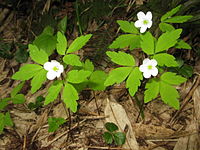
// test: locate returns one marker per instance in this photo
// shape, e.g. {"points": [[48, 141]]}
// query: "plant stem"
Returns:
{"points": [[78, 18]]}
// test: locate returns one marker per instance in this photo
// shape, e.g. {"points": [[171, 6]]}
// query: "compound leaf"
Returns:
{"points": [[147, 43], [18, 99], [172, 78], [170, 13], [121, 58], [88, 65], [165, 27], [119, 138], [178, 19], [108, 137], [54, 123], [78, 76], [133, 81], [8, 120], [182, 45], [17, 89], [72, 59], [61, 45], [62, 25], [152, 90], [165, 59], [127, 26]]}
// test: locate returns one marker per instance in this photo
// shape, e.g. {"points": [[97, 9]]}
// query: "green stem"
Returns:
{"points": [[140, 105], [78, 18]]}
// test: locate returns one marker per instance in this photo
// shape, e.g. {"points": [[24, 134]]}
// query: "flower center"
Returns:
{"points": [[150, 67], [145, 22], [55, 69]]}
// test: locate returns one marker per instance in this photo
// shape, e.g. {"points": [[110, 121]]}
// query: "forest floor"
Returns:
{"points": [[162, 128]]}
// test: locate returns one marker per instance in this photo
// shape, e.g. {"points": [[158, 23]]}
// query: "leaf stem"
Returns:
{"points": [[78, 18]]}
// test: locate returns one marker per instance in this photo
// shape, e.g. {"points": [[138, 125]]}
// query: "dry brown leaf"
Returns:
{"points": [[117, 115], [59, 111]]}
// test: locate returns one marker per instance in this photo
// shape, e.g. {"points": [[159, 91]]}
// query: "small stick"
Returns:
{"points": [[111, 148]]}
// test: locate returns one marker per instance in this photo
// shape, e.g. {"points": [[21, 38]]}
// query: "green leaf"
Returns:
{"points": [[147, 43], [172, 78], [46, 41], [119, 138], [26, 72], [167, 40], [4, 103], [78, 43], [48, 30], [165, 59], [165, 27], [127, 26], [53, 92], [39, 56], [178, 19], [8, 120], [182, 45], [170, 13], [62, 25], [70, 96], [61, 45], [97, 79], [127, 40], [18, 99], [186, 71], [1, 122], [55, 123], [121, 58], [133, 81], [117, 75], [108, 137], [111, 127], [38, 80], [77, 76], [17, 89], [152, 90], [72, 59], [169, 95], [88, 65]]}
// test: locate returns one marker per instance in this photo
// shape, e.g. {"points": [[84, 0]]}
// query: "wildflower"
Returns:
{"points": [[144, 21], [149, 68], [54, 69]]}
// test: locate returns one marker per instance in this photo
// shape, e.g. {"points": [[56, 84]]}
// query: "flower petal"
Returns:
{"points": [[153, 62], [149, 15], [47, 66], [138, 23], [143, 29], [51, 75], [143, 68], [61, 68], [149, 24], [154, 71], [146, 61], [54, 63], [147, 74], [140, 15]]}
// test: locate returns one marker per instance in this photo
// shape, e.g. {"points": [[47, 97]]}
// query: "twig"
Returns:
{"points": [[109, 148], [24, 144], [95, 99]]}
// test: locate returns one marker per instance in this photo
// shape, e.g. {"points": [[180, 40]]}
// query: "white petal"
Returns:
{"points": [[149, 15], [149, 24], [58, 74], [147, 74], [61, 68], [143, 29], [143, 68], [153, 62], [146, 61], [138, 23], [154, 71], [140, 15], [51, 75], [54, 63], [47, 66]]}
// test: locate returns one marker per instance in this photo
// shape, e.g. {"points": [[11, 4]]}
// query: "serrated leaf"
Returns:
{"points": [[48, 30], [167, 40], [8, 120], [38, 80], [127, 40], [178, 19], [53, 92], [61, 45], [152, 90], [77, 76], [26, 72], [119, 138], [62, 25], [17, 89], [4, 102], [169, 95], [170, 13], [182, 45], [111, 126], [78, 43], [18, 99], [127, 26], [121, 58], [70, 96], [54, 123], [108, 137], [147, 43], [97, 79], [133, 81], [39, 56], [117, 75], [165, 59], [72, 59], [165, 27], [172, 78], [88, 65], [186, 71]]}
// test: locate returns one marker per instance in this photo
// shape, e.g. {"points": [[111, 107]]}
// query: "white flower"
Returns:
{"points": [[149, 68], [54, 69], [144, 21]]}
